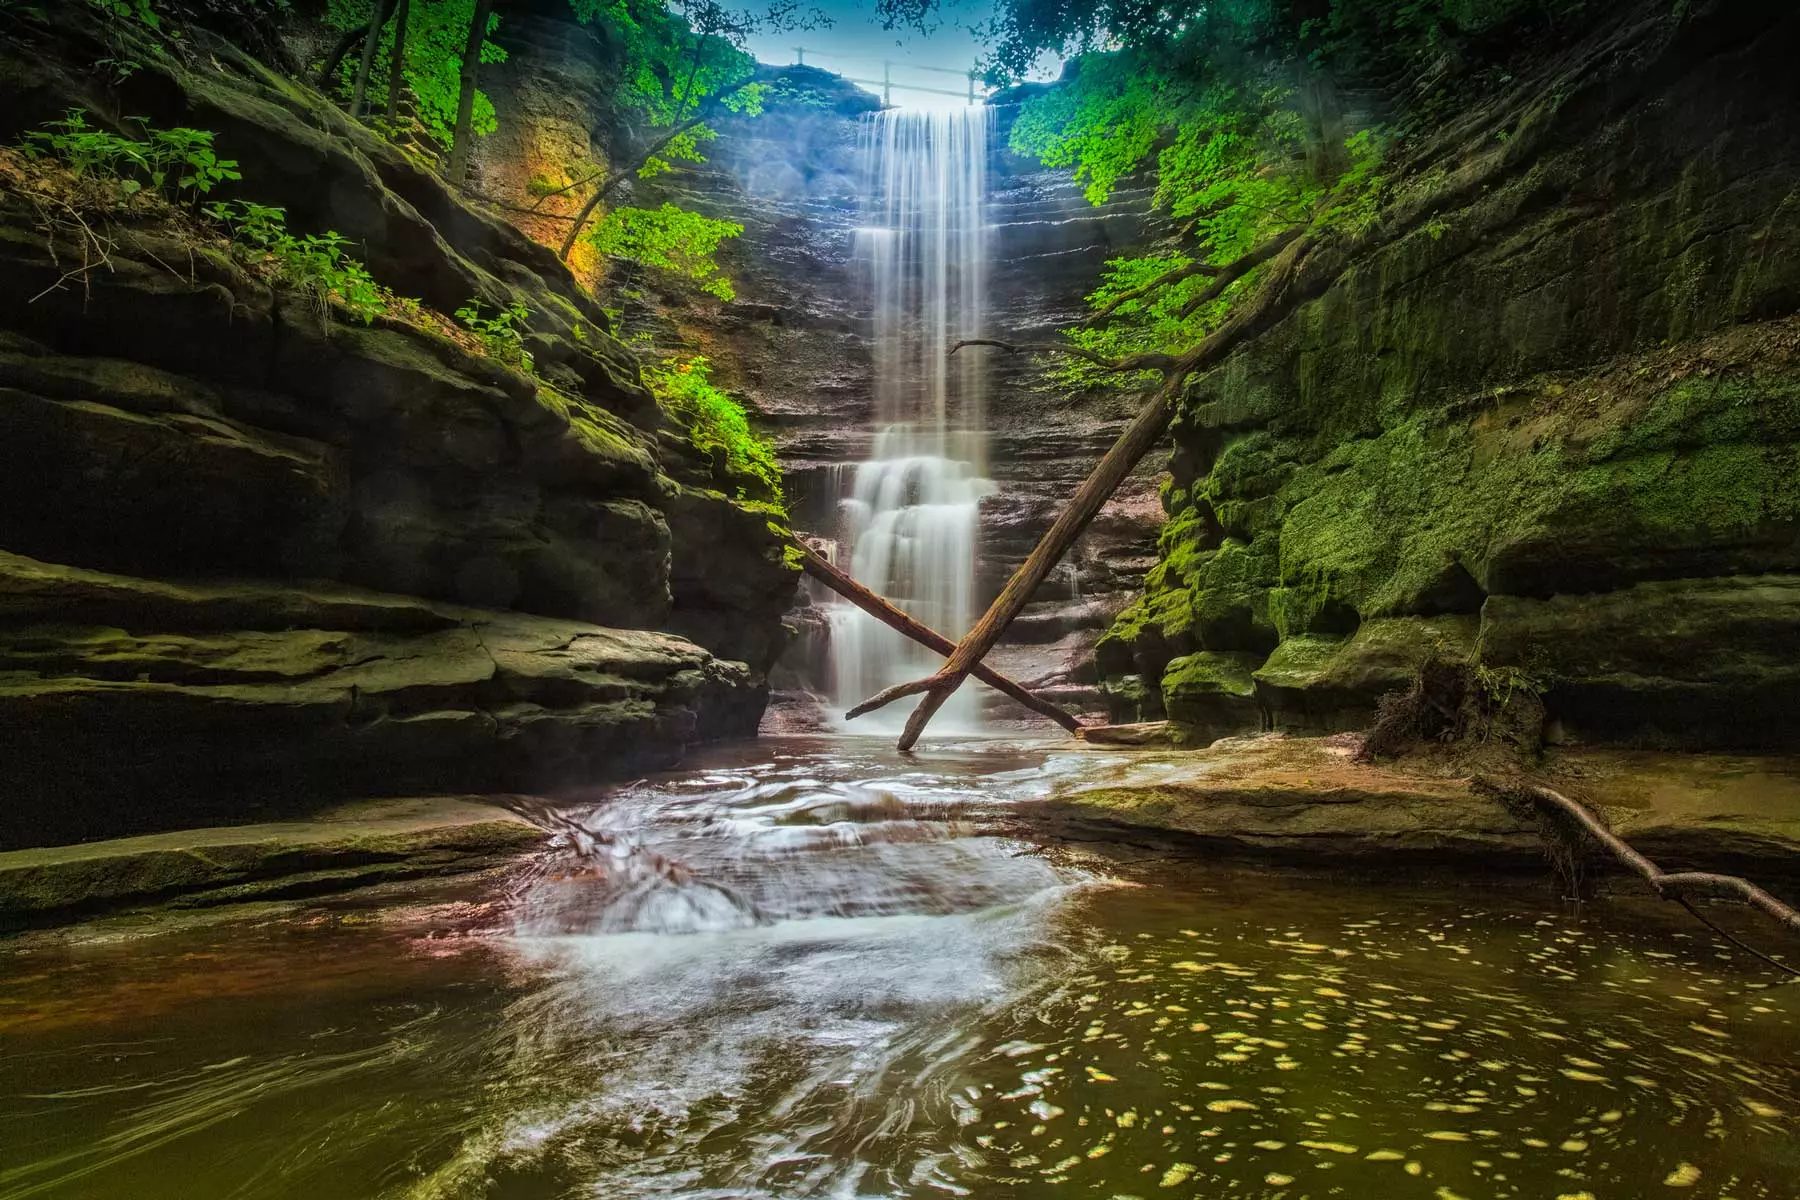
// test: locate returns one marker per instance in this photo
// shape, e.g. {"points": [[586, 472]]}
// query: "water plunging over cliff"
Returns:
{"points": [[909, 523]]}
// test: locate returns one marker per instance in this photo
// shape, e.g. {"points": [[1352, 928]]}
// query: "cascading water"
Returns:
{"points": [[910, 522]]}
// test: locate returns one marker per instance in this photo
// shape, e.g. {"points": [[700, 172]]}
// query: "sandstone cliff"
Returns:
{"points": [[258, 557]]}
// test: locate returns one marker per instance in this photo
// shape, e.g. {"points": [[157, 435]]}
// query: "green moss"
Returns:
{"points": [[1300, 661], [1211, 671]]}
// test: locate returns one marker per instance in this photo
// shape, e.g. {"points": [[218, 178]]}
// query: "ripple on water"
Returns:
{"points": [[808, 976]]}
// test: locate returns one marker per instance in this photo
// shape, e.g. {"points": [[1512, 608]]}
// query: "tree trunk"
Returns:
{"points": [[397, 61], [816, 565], [371, 43], [346, 40], [465, 98]]}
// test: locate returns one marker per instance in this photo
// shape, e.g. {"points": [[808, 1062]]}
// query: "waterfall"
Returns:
{"points": [[908, 526]]}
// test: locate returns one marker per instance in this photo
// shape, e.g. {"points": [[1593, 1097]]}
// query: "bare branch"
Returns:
{"points": [[887, 696], [1665, 884], [814, 564], [1240, 268], [1161, 281], [1148, 361]]}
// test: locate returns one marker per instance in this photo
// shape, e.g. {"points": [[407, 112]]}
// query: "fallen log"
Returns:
{"points": [[816, 565], [1667, 884], [1273, 300]]}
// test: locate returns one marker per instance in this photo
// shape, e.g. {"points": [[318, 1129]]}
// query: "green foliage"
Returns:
{"points": [[139, 11], [180, 161], [669, 239], [436, 34], [1236, 159], [318, 265], [502, 335], [676, 58], [716, 423]]}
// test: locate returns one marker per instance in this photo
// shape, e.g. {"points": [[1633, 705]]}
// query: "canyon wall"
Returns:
{"points": [[1554, 429], [255, 556]]}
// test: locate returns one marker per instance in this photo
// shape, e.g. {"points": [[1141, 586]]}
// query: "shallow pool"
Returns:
{"points": [[797, 969]]}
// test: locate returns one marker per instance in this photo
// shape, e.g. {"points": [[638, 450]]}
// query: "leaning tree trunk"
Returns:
{"points": [[397, 61], [465, 98], [1273, 301], [819, 568], [371, 43], [346, 40]]}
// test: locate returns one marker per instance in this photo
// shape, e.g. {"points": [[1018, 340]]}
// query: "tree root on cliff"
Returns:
{"points": [[1570, 816]]}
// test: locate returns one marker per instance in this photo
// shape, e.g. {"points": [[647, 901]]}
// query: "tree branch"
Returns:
{"points": [[1240, 268], [1161, 281], [347, 40], [1665, 884], [815, 564], [1148, 361], [709, 108]]}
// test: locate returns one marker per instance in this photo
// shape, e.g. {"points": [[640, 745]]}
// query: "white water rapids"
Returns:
{"points": [[909, 525]]}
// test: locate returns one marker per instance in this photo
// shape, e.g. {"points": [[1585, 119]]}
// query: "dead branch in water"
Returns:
{"points": [[815, 564], [1675, 885]]}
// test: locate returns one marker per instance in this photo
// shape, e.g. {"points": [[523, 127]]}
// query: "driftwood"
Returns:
{"points": [[1676, 885], [816, 565]]}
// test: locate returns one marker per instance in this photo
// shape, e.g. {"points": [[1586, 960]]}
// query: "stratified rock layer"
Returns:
{"points": [[166, 414]]}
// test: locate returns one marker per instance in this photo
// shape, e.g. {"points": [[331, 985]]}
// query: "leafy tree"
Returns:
{"points": [[684, 66], [669, 239], [432, 42]]}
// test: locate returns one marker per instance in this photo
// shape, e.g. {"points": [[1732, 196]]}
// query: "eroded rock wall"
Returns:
{"points": [[1555, 429], [168, 414]]}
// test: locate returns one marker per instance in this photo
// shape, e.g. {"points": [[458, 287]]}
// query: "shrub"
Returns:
{"points": [[501, 335], [317, 264], [179, 161], [716, 423]]}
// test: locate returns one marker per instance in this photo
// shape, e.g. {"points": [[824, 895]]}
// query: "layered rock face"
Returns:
{"points": [[1555, 430], [360, 516]]}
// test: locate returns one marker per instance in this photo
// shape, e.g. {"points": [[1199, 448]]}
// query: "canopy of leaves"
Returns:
{"points": [[679, 60], [436, 33], [669, 239]]}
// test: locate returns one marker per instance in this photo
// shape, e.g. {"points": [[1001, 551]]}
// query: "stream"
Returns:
{"points": [[797, 968]]}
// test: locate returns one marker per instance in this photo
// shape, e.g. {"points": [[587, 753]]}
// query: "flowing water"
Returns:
{"points": [[909, 524], [798, 969]]}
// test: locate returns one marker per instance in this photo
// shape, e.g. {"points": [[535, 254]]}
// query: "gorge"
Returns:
{"points": [[424, 759]]}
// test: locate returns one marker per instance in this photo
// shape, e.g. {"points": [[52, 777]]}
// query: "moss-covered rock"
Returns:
{"points": [[1537, 394], [1213, 692], [1685, 663]]}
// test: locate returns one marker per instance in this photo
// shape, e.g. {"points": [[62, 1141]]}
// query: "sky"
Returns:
{"points": [[855, 46]]}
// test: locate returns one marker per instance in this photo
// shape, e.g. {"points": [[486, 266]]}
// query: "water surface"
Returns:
{"points": [[797, 969]]}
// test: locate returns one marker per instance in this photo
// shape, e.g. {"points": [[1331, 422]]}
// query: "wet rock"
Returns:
{"points": [[349, 847], [1307, 801]]}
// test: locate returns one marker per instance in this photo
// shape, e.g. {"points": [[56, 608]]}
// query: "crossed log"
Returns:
{"points": [[815, 564], [1280, 291]]}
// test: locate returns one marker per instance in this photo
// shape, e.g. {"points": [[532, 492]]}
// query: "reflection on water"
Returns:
{"points": [[804, 974]]}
